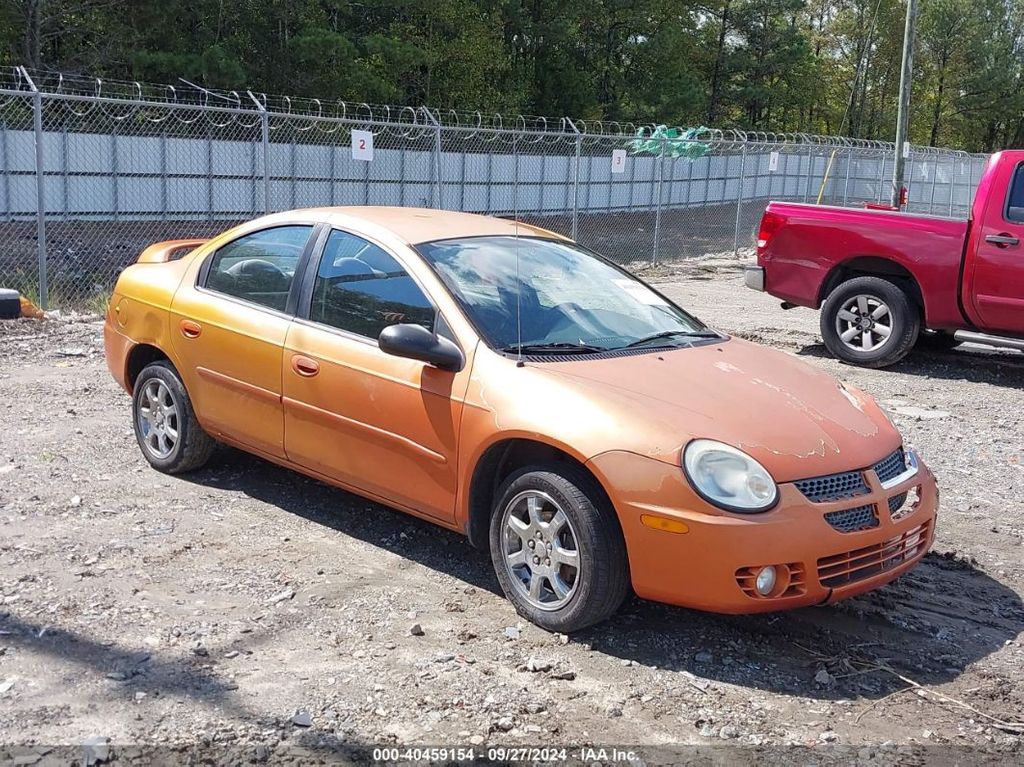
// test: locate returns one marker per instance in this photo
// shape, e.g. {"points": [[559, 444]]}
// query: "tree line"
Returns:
{"points": [[816, 66]]}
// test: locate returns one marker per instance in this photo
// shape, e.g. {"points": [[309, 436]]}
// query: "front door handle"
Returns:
{"points": [[190, 329], [1002, 240], [305, 366]]}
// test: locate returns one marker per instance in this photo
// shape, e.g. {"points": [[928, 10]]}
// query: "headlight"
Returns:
{"points": [[728, 478]]}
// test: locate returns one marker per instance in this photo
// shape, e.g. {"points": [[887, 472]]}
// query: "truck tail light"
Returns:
{"points": [[770, 224]]}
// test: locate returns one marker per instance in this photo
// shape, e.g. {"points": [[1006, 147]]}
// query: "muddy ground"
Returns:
{"points": [[256, 614]]}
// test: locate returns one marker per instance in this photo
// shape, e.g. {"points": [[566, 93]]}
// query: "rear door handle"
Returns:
{"points": [[190, 329], [1002, 240], [305, 366]]}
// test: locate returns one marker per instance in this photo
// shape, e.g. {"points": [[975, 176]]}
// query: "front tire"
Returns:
{"points": [[557, 548], [870, 322], [166, 428]]}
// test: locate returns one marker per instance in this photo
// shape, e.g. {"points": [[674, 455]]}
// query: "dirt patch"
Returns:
{"points": [[235, 606]]}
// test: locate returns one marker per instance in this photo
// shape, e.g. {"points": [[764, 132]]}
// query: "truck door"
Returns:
{"points": [[994, 274]]}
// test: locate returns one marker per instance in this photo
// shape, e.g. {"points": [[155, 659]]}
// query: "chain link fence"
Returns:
{"points": [[92, 172]]}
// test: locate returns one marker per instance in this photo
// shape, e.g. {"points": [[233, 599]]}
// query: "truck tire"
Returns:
{"points": [[869, 321], [557, 548]]}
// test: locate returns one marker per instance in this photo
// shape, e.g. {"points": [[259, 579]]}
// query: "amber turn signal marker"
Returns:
{"points": [[662, 523]]}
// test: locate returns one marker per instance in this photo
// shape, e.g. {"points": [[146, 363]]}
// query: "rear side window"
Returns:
{"points": [[259, 267], [362, 289], [1015, 199]]}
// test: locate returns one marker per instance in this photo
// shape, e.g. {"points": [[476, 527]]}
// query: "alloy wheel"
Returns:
{"points": [[158, 419], [864, 323], [540, 551]]}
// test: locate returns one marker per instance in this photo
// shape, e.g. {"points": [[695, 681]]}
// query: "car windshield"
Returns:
{"points": [[555, 297]]}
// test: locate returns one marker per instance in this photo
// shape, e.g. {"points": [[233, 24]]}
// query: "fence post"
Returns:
{"points": [[265, 130], [952, 182], [437, 157], [37, 126], [846, 183], [657, 210], [576, 180], [739, 200], [810, 172]]}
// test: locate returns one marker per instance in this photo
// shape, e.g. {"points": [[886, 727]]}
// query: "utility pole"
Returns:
{"points": [[903, 115]]}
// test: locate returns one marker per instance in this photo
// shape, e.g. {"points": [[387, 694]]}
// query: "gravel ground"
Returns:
{"points": [[256, 614]]}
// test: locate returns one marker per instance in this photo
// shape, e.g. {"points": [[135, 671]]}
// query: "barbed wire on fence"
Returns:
{"points": [[93, 170]]}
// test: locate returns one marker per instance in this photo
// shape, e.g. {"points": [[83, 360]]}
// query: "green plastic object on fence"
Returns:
{"points": [[676, 141]]}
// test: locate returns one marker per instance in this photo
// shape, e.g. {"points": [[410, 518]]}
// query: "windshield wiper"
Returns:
{"points": [[667, 334], [555, 347]]}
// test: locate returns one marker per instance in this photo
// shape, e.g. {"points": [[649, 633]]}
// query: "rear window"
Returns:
{"points": [[1015, 199]]}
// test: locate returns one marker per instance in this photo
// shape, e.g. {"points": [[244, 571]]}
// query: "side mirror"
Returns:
{"points": [[417, 343]]}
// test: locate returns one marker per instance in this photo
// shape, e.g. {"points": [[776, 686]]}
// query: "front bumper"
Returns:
{"points": [[753, 277], [711, 566]]}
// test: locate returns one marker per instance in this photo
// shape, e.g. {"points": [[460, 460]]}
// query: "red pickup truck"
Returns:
{"points": [[886, 280]]}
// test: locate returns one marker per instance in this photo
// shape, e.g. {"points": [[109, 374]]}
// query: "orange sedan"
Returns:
{"points": [[499, 380]]}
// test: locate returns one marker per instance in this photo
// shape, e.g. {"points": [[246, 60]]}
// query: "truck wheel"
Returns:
{"points": [[166, 428], [870, 322], [557, 548]]}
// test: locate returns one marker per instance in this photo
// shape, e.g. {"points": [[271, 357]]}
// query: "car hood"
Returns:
{"points": [[795, 419]]}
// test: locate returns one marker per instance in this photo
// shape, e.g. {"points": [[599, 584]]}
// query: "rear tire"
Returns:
{"points": [[870, 322], [557, 548], [166, 428]]}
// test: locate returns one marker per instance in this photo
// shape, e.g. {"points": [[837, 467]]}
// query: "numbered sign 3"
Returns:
{"points": [[618, 161], [362, 145]]}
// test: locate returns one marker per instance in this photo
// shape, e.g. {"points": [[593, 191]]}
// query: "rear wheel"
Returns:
{"points": [[557, 548], [166, 428], [870, 322]]}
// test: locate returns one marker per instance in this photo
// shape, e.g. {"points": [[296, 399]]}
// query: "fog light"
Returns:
{"points": [[765, 582]]}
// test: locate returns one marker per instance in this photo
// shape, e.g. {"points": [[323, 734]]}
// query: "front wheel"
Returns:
{"points": [[870, 322], [557, 548]]}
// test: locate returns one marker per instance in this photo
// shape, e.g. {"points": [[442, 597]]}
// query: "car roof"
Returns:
{"points": [[417, 225]]}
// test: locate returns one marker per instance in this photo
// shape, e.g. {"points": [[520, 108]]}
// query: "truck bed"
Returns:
{"points": [[808, 245]]}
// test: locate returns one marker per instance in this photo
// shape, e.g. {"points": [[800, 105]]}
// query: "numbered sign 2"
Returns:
{"points": [[362, 145], [618, 161]]}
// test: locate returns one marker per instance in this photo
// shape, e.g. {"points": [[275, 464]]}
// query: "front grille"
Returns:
{"points": [[896, 503], [834, 487], [853, 520], [856, 565], [891, 466]]}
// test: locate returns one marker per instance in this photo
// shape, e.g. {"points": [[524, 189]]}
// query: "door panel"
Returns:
{"points": [[232, 368], [996, 287], [376, 422], [229, 334]]}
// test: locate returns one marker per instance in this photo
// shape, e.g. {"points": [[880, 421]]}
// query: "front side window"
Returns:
{"points": [[362, 289], [1015, 200], [548, 296], [259, 267]]}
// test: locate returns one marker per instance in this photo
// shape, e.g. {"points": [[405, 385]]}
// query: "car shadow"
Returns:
{"points": [[350, 514], [927, 626], [964, 363], [162, 673]]}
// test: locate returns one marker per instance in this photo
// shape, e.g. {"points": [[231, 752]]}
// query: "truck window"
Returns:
{"points": [[1015, 199]]}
